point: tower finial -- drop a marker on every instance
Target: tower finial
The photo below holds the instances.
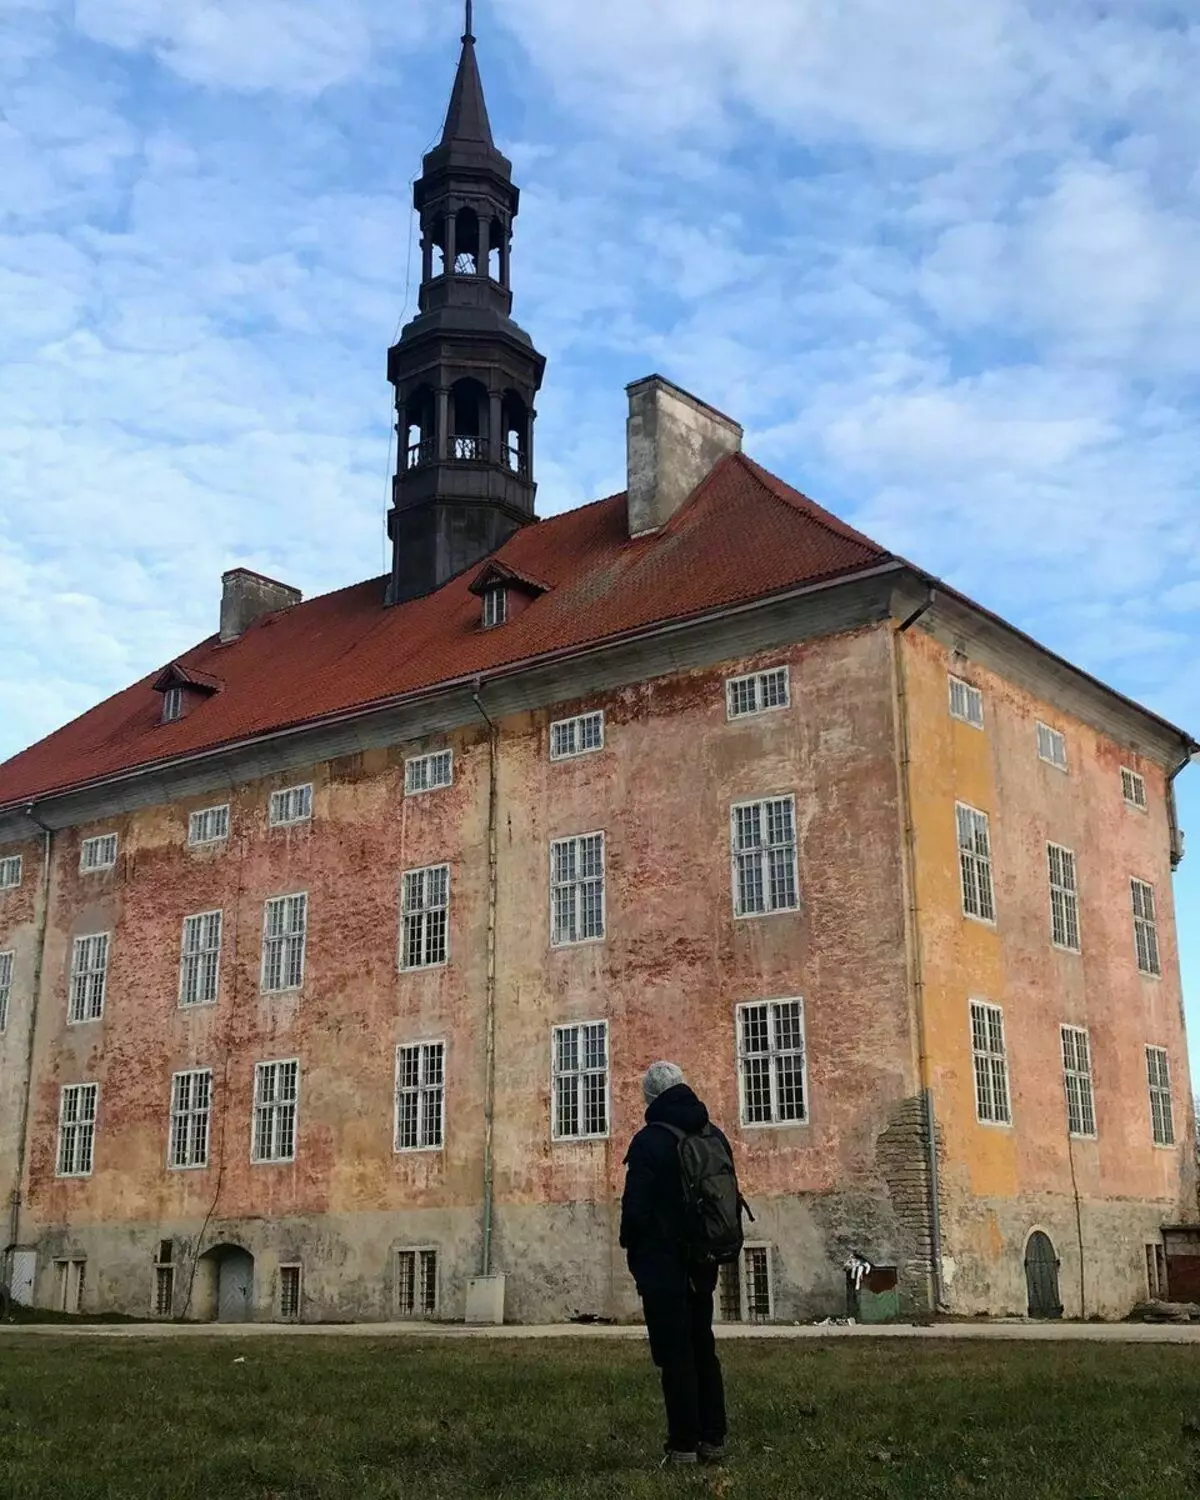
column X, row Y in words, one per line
column 469, row 33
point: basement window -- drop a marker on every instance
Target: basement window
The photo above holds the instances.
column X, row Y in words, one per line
column 6, row 974
column 68, row 1284
column 495, row 607
column 417, row 1283
column 745, row 1293
column 10, row 872
column 289, row 1291
column 164, row 1279
column 98, row 853
column 1133, row 789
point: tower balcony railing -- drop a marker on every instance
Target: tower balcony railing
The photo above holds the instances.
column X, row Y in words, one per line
column 422, row 453
column 518, row 462
column 470, row 450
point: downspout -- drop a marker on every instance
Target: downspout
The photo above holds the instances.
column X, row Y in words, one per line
column 917, row 971
column 489, row 1078
column 1176, row 835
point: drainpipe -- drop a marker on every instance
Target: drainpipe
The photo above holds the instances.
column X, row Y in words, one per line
column 1176, row 834
column 489, row 1082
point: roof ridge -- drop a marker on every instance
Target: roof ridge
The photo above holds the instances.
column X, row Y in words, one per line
column 776, row 488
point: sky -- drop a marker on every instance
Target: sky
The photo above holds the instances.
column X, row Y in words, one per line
column 943, row 271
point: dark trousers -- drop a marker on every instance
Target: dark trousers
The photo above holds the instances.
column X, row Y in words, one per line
column 679, row 1322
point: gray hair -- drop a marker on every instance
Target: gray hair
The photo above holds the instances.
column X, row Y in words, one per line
column 660, row 1077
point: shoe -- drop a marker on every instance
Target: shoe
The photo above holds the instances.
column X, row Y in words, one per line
column 711, row 1453
column 675, row 1456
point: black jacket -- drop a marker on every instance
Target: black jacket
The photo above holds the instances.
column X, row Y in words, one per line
column 652, row 1205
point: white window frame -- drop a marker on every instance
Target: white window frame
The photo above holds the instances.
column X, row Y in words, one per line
column 419, row 773
column 1076, row 1052
column 83, row 1126
column 576, row 884
column 572, row 731
column 1147, row 952
column 190, row 1122
column 418, row 1314
column 775, row 1056
column 495, row 606
column 1162, row 1105
column 759, row 690
column 742, row 1264
column 986, row 1060
column 965, row 699
column 201, row 819
column 422, row 916
column 10, row 872
column 421, row 1091
column 285, row 939
column 85, row 1001
column 279, row 813
column 8, row 966
column 1133, row 789
column 284, row 1315
column 172, row 708
column 1050, row 742
column 763, row 853
column 1063, row 873
column 978, row 862
column 276, row 1107
column 201, row 961
column 1156, row 1269
column 70, row 1272
column 98, row 854
column 578, row 1076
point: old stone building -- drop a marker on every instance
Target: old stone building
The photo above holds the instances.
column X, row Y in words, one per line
column 331, row 953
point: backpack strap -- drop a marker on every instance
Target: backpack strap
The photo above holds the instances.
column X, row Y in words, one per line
column 680, row 1135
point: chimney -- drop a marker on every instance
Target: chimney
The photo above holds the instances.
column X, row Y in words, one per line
column 673, row 442
column 247, row 596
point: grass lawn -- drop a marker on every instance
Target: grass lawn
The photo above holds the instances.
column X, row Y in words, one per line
column 341, row 1419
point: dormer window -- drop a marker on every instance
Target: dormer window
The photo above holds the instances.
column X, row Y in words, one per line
column 505, row 592
column 182, row 688
column 495, row 606
column 172, row 708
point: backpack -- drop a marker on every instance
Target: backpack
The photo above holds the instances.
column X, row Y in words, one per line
column 712, row 1203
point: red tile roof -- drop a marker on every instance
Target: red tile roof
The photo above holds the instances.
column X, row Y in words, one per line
column 743, row 535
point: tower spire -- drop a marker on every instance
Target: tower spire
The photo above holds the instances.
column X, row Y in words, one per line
column 469, row 33
column 467, row 117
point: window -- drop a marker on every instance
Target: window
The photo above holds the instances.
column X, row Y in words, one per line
column 577, row 890
column 770, row 1038
column 581, row 1081
column 417, row 1283
column 428, row 772
column 172, row 708
column 1158, row 1075
column 420, row 1096
column 289, row 1291
column 294, row 805
column 1064, row 898
column 1133, row 788
column 10, row 872
column 745, row 1293
column 164, row 1279
column 991, row 1064
column 68, row 1284
column 495, row 607
column 1051, row 746
column 425, row 918
column 191, row 1109
column 98, row 853
column 1145, row 927
column 89, row 970
column 276, row 1087
column 200, row 959
column 765, row 877
column 1077, row 1075
column 578, row 736
column 209, row 826
column 7, row 960
column 77, row 1129
column 1156, row 1271
column 285, row 923
column 966, row 703
column 757, row 693
column 975, row 863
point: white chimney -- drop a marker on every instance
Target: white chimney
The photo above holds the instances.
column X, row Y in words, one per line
column 247, row 596
column 674, row 442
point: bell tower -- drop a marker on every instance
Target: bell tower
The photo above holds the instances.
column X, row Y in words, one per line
column 466, row 376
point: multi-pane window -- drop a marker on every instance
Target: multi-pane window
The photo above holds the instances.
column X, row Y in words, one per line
column 1064, row 898
column 98, row 853
column 172, row 708
column 276, row 1090
column 578, row 736
column 425, row 918
column 209, row 826
column 68, row 1284
column 975, row 863
column 164, row 1279
column 284, row 925
column 420, row 1096
column 191, row 1111
column 7, row 961
column 10, row 872
column 1158, row 1076
column 200, row 959
column 89, row 972
column 1051, row 746
column 1077, row 1077
column 991, row 1064
column 756, row 693
column 416, row 1283
column 744, row 1289
column 1133, row 788
column 289, row 1291
column 770, row 1039
column 292, row 805
column 426, row 773
column 1145, row 927
column 966, row 703
column 577, row 889
column 77, row 1129
column 495, row 607
column 765, row 877
column 580, row 1058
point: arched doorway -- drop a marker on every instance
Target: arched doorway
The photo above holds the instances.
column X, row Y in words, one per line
column 1041, row 1276
column 225, row 1284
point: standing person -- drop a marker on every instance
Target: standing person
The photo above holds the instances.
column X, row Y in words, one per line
column 680, row 1218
